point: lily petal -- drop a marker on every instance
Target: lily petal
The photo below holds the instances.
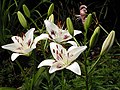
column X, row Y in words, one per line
column 74, row 52
column 12, row 47
column 72, row 43
column 17, row 39
column 65, row 35
column 28, row 38
column 57, row 66
column 48, row 62
column 57, row 49
column 38, row 38
column 27, row 51
column 77, row 32
column 14, row 56
column 52, row 69
column 74, row 68
column 51, row 28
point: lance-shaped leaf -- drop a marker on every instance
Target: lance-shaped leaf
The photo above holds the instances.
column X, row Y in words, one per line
column 63, row 58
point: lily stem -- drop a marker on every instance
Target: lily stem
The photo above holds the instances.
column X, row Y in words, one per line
column 85, row 62
column 21, row 69
column 86, row 71
column 94, row 65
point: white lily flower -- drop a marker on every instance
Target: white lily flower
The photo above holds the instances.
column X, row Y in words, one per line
column 63, row 58
column 22, row 45
column 56, row 33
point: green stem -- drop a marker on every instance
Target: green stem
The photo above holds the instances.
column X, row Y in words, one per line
column 88, row 52
column 103, row 29
column 34, row 67
column 86, row 71
column 45, row 45
column 85, row 62
column 85, row 39
column 35, row 24
column 108, row 33
column 76, row 41
column 117, row 42
column 63, row 83
column 95, row 64
column 23, row 73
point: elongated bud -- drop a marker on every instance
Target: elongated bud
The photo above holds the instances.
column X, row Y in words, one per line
column 50, row 10
column 70, row 26
column 22, row 19
column 94, row 37
column 51, row 18
column 26, row 11
column 87, row 22
column 108, row 42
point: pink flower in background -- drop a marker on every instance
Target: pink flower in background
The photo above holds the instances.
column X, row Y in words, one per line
column 83, row 13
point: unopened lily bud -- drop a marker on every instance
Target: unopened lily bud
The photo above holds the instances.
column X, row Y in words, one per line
column 94, row 37
column 87, row 22
column 50, row 10
column 22, row 19
column 70, row 26
column 51, row 18
column 26, row 11
column 108, row 42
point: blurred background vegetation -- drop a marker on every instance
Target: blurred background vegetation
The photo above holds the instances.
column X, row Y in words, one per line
column 107, row 76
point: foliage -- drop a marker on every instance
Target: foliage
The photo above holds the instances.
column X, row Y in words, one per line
column 105, row 76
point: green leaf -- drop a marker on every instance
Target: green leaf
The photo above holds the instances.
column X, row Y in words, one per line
column 39, row 72
column 7, row 88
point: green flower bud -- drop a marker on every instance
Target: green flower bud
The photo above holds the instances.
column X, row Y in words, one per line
column 26, row 11
column 51, row 18
column 87, row 22
column 94, row 37
column 70, row 26
column 22, row 19
column 108, row 42
column 50, row 10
